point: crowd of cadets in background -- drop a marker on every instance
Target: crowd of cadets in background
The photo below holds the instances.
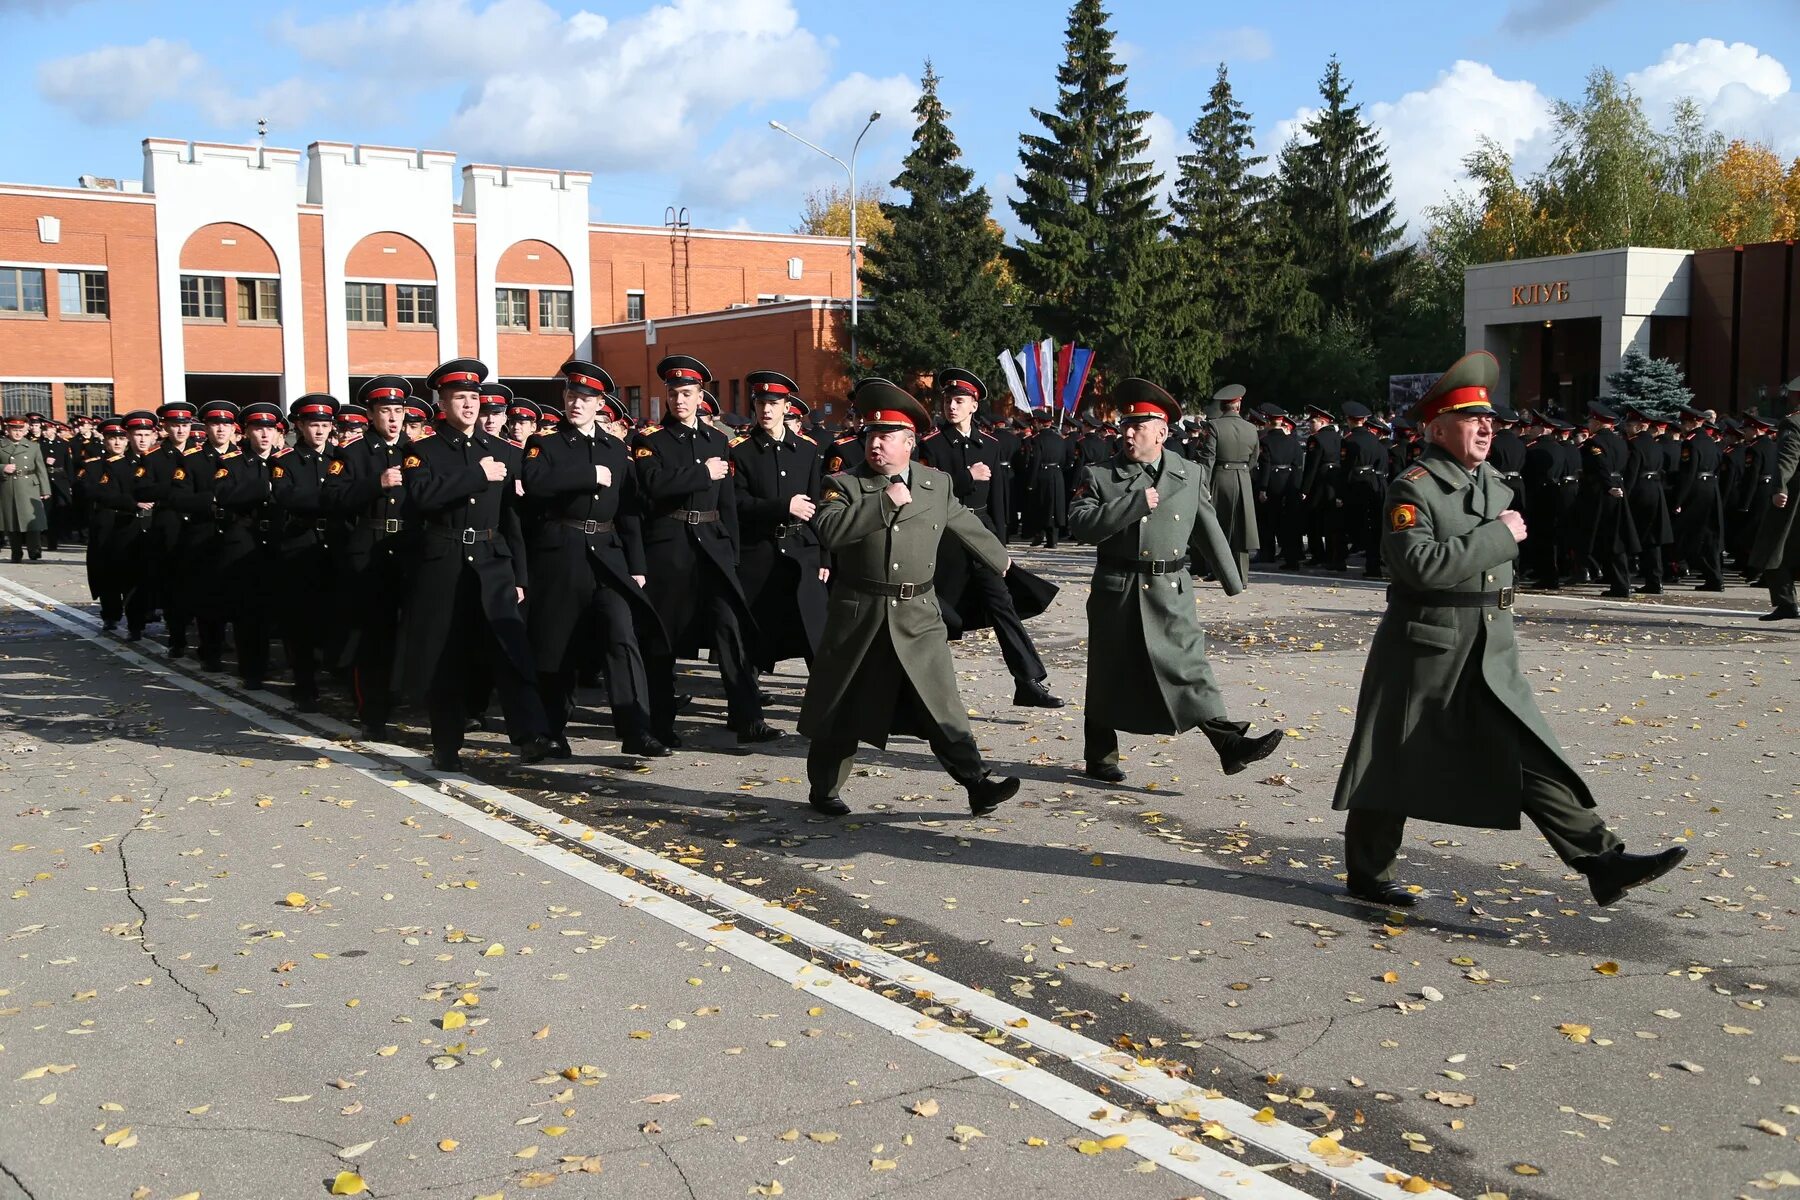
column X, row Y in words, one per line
column 638, row 543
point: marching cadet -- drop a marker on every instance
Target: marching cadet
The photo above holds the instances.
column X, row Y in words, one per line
column 1147, row 667
column 1320, row 481
column 469, row 584
column 968, row 594
column 586, row 553
column 1776, row 551
column 1363, row 481
column 59, row 461
column 352, row 423
column 156, row 566
column 1005, row 480
column 846, row 450
column 522, row 417
column 549, row 417
column 1647, row 499
column 104, row 487
column 365, row 483
column 1607, row 535
column 1238, row 450
column 24, row 484
column 884, row 665
column 198, row 587
column 496, row 400
column 303, row 556
column 1507, row 458
column 1447, row 728
column 1757, row 485
column 1699, row 514
column 1046, row 484
column 1278, row 485
column 690, row 554
column 131, row 544
column 420, row 418
column 248, row 528
column 776, row 473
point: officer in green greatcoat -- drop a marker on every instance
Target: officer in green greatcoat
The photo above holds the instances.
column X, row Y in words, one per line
column 1237, row 447
column 1148, row 513
column 883, row 666
column 1447, row 728
column 24, row 485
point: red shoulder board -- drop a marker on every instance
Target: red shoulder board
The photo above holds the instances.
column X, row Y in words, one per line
column 931, row 435
column 806, row 439
column 1403, row 516
column 1414, row 474
column 739, row 440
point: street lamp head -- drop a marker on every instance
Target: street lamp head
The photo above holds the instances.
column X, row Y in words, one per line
column 778, row 125
column 874, row 117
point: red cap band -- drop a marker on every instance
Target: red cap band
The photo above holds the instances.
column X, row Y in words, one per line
column 526, row 413
column 585, row 381
column 1455, row 398
column 772, row 389
column 387, row 394
column 1145, row 408
column 793, row 410
column 965, row 387
column 351, row 418
column 141, row 423
column 314, row 410
column 887, row 416
column 457, row 377
column 682, row 373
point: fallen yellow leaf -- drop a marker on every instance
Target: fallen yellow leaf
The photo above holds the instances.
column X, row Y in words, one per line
column 1265, row 1116
column 298, row 900
column 452, row 1020
column 116, row 1136
column 348, row 1183
column 1606, row 968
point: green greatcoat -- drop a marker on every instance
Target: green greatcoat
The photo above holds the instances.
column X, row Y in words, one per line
column 1233, row 497
column 28, row 484
column 870, row 540
column 1147, row 665
column 1778, row 537
column 1444, row 708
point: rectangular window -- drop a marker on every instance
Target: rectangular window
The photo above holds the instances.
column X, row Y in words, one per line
column 88, row 399
column 510, row 307
column 555, row 309
column 22, row 290
column 365, row 303
column 415, row 304
column 634, row 306
column 81, row 293
column 17, row 399
column 202, row 298
column 634, row 401
column 734, row 395
column 259, row 300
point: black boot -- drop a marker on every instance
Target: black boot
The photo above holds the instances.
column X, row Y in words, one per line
column 830, row 806
column 1393, row 895
column 990, row 792
column 1031, row 693
column 1236, row 749
column 1610, row 876
column 1105, row 772
column 1781, row 612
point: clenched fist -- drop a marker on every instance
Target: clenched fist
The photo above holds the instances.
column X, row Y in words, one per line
column 493, row 468
column 1152, row 498
column 1514, row 524
column 802, row 507
column 717, row 468
column 602, row 475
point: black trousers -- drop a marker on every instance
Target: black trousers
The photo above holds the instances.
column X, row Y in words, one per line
column 608, row 626
column 473, row 645
column 1016, row 647
column 743, row 700
column 1780, row 582
column 25, row 543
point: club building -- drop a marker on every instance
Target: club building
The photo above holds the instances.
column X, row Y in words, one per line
column 254, row 273
column 1730, row 317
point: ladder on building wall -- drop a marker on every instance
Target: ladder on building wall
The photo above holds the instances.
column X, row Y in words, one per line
column 678, row 226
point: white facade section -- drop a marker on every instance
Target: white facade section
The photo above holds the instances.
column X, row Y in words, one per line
column 365, row 190
column 1624, row 288
column 200, row 184
column 516, row 204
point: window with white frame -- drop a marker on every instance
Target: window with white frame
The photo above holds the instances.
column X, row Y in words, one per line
column 634, row 306
column 22, row 290
column 81, row 293
column 202, row 298
column 415, row 304
column 88, row 399
column 365, row 303
column 17, row 399
column 259, row 300
column 511, row 306
column 555, row 309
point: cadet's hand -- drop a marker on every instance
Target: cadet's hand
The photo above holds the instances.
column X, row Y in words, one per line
column 1780, row 499
column 10, row 469
column 638, row 579
column 717, row 468
column 602, row 475
column 981, row 471
column 824, row 574
column 392, row 477
column 1151, row 496
column 519, row 592
column 1615, row 491
column 1514, row 523
column 1262, row 497
column 493, row 468
column 802, row 507
column 898, row 495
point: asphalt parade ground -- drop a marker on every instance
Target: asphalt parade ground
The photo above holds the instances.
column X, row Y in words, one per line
column 249, row 956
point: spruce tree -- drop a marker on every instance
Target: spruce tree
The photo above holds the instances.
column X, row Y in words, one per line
column 1335, row 188
column 939, row 298
column 1093, row 255
column 1653, row 385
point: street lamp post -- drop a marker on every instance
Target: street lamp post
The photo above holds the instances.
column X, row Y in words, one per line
column 850, row 170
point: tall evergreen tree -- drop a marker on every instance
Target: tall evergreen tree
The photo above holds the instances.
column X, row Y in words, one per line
column 1335, row 188
column 939, row 296
column 1094, row 257
column 1654, row 385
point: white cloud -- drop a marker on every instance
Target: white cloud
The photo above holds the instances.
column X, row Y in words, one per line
column 1743, row 91
column 1244, row 44
column 452, row 36
column 117, row 83
column 1167, row 145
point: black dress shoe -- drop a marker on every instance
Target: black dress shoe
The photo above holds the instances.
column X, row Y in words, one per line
column 1031, row 693
column 1653, row 589
column 134, row 635
column 1617, row 593
column 1612, row 875
column 109, row 626
column 1235, row 758
column 668, row 737
column 831, row 806
column 559, row 747
column 990, row 792
column 306, row 702
column 683, row 700
column 177, row 649
column 1710, row 587
column 252, row 684
column 1104, row 772
column 447, row 762
column 1390, row 894
column 212, row 664
column 758, row 733
column 474, row 724
column 644, row 747
column 537, row 749
column 764, row 698
column 1781, row 612
column 373, row 731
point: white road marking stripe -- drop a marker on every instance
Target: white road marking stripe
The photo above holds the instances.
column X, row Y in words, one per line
column 1197, row 1163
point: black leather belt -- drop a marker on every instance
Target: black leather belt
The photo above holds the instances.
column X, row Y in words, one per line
column 1282, row 467
column 467, row 537
column 1512, row 475
column 1704, row 475
column 1647, row 475
column 899, row 591
column 384, row 524
column 1500, row 599
column 586, row 526
column 1363, row 471
column 789, row 528
column 689, row 516
column 1144, row 566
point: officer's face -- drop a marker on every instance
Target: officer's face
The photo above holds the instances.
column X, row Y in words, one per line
column 889, row 450
column 263, row 438
column 960, row 408
column 144, row 440
column 1466, row 436
column 313, row 433
column 219, row 433
column 684, row 401
column 493, row 423
column 771, row 414
column 386, row 420
column 1144, row 439
column 580, row 408
column 115, row 443
column 461, row 406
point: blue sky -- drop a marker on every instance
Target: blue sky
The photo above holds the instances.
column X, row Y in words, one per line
column 668, row 103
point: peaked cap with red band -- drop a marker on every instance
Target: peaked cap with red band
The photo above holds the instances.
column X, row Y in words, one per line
column 613, row 409
column 420, row 408
column 1141, row 400
column 352, row 414
column 384, row 389
column 1467, row 387
column 458, row 373
column 314, row 406
column 495, row 397
column 954, row 381
column 549, row 417
column 881, row 405
column 678, row 370
column 585, row 378
column 141, row 418
column 523, row 408
column 709, row 404
column 174, row 410
column 770, row 383
column 222, row 412
column 262, row 414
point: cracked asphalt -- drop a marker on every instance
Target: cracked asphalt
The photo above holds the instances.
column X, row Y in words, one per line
column 1507, row 1037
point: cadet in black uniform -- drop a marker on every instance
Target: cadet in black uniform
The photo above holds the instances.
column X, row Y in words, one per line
column 972, row 460
column 156, row 565
column 470, row 584
column 586, row 550
column 302, row 546
column 690, row 552
column 1046, row 483
column 1647, row 499
column 1278, row 485
column 1608, row 536
column 1506, row 455
column 1699, row 516
column 776, row 472
column 249, row 527
column 104, row 487
column 1363, row 464
column 198, row 587
column 1320, row 479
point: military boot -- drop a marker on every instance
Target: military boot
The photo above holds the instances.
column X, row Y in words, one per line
column 1236, row 748
column 1616, row 872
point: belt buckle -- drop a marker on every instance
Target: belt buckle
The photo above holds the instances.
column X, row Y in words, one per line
column 692, row 517
column 590, row 527
column 908, row 591
column 1506, row 597
column 390, row 525
column 468, row 537
column 1158, row 568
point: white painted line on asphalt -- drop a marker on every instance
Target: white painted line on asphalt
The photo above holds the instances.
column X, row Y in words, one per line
column 1211, row 1169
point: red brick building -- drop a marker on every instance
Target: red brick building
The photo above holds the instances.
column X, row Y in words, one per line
column 248, row 273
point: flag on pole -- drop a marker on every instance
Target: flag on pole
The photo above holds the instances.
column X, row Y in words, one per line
column 1046, row 356
column 1062, row 368
column 1076, row 379
column 1009, row 368
column 1034, row 390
